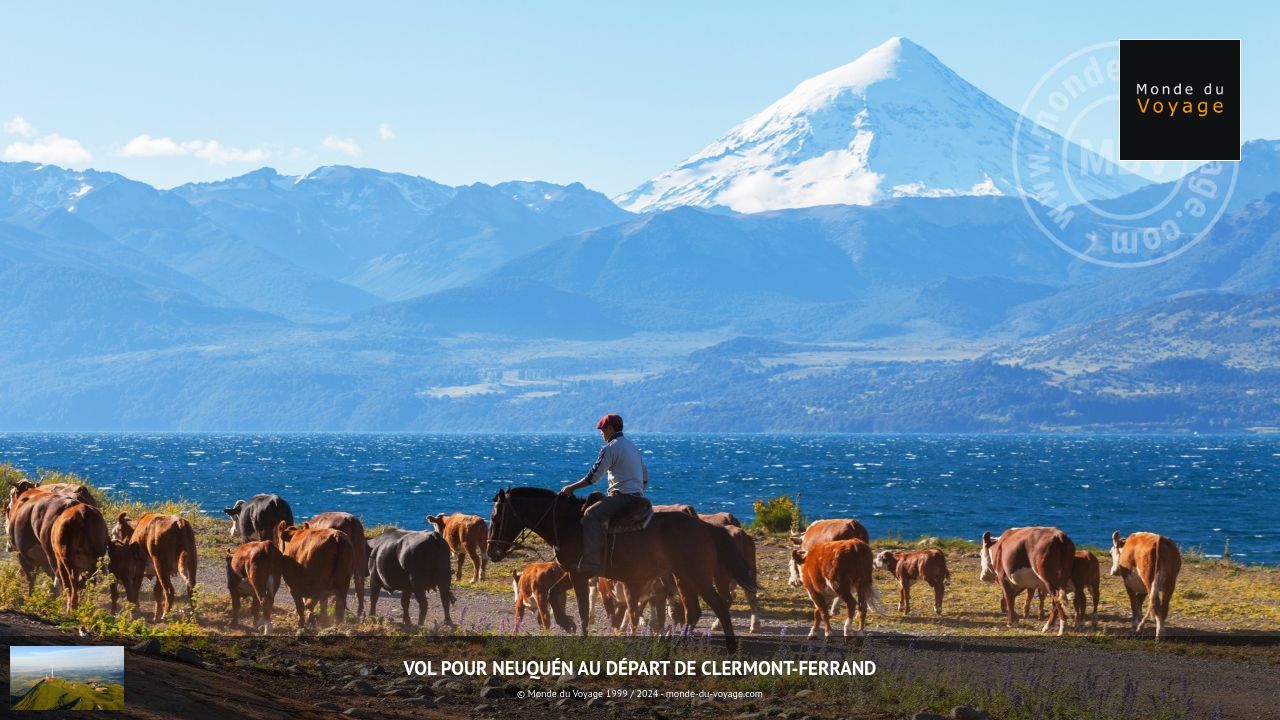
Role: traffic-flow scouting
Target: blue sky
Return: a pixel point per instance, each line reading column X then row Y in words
column 40, row 657
column 608, row 94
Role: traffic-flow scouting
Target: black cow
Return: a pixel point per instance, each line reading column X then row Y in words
column 411, row 563
column 257, row 518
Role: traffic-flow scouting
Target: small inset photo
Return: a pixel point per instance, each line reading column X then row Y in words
column 58, row 677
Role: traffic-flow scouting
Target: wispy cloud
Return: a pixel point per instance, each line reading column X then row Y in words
column 211, row 151
column 346, row 146
column 385, row 132
column 52, row 148
column 19, row 126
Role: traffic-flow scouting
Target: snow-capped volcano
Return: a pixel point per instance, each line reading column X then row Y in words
column 895, row 122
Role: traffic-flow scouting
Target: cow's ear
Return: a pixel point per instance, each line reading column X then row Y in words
column 986, row 539
column 232, row 511
column 306, row 525
column 124, row 517
column 797, row 539
column 1115, row 539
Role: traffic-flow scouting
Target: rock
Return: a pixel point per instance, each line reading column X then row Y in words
column 562, row 702
column 441, row 684
column 566, row 678
column 189, row 656
column 749, row 716
column 928, row 542
column 803, row 693
column 359, row 686
column 493, row 692
column 360, row 713
column 595, row 702
column 423, row 702
column 372, row 670
column 483, row 708
column 243, row 663
column 964, row 712
column 328, row 707
column 492, row 681
column 397, row 692
column 150, row 646
column 927, row 716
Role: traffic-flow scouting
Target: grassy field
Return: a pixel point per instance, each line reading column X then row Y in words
column 1217, row 613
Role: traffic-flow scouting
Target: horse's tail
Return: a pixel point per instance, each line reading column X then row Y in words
column 730, row 557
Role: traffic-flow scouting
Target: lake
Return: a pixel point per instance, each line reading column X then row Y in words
column 1198, row 490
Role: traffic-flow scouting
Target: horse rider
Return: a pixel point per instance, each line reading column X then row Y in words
column 628, row 479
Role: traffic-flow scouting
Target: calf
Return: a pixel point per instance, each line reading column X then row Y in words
column 837, row 570
column 351, row 525
column 127, row 564
column 911, row 567
column 466, row 535
column 1149, row 564
column 542, row 587
column 624, row 603
column 820, row 531
column 1030, row 557
column 257, row 518
column 316, row 565
column 410, row 563
column 77, row 540
column 169, row 544
column 254, row 571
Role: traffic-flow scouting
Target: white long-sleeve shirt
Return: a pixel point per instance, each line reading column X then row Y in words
column 622, row 461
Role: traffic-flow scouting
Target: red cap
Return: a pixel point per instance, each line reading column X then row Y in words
column 612, row 420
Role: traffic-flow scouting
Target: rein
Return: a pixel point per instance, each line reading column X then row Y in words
column 517, row 541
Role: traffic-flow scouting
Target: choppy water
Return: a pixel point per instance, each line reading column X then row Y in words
column 1197, row 490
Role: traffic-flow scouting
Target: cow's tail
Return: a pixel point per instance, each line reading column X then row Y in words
column 1157, row 589
column 946, row 576
column 873, row 599
column 187, row 555
column 730, row 558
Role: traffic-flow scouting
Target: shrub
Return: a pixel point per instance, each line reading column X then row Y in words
column 779, row 515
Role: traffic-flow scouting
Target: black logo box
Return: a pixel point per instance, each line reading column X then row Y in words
column 1185, row 67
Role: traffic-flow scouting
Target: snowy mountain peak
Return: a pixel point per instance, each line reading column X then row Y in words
column 895, row 122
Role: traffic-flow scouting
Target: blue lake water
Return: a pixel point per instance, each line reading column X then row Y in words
column 1198, row 490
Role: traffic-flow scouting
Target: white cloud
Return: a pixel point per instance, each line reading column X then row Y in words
column 346, row 146
column 52, row 148
column 19, row 126
column 211, row 151
column 385, row 132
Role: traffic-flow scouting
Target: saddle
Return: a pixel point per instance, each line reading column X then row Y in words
column 630, row 520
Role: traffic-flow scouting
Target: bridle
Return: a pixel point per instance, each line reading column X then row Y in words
column 496, row 529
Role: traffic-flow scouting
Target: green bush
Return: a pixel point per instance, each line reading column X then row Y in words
column 779, row 515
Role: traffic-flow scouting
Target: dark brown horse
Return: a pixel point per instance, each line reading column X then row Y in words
column 673, row 542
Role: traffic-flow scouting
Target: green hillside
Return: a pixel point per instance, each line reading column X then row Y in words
column 59, row 694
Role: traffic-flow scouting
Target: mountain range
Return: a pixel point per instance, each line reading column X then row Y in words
column 885, row 278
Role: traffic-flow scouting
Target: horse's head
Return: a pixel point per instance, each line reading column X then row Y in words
column 504, row 526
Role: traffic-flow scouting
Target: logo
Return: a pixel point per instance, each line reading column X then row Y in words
column 1126, row 213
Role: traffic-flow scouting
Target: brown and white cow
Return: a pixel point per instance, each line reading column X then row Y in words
column 542, row 587
column 1149, row 565
column 1085, row 577
column 351, row 525
column 169, row 544
column 254, row 570
column 466, row 536
column 909, row 567
column 316, row 565
column 1030, row 557
column 77, row 541
column 820, row 531
column 685, row 508
column 838, row 570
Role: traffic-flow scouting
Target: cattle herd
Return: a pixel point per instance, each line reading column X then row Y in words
column 58, row 528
